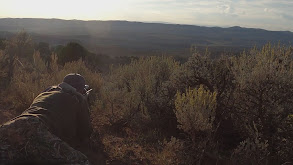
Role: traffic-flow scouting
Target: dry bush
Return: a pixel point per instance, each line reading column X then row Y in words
column 252, row 151
column 18, row 48
column 214, row 75
column 264, row 96
column 170, row 154
column 31, row 78
column 124, row 151
column 129, row 151
column 134, row 93
column 135, row 107
column 195, row 72
column 28, row 80
column 21, row 45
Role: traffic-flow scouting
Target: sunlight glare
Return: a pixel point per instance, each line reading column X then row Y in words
column 66, row 9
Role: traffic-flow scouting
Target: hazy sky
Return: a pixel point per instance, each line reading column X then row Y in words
column 267, row 14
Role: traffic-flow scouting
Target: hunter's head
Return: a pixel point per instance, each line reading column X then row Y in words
column 76, row 81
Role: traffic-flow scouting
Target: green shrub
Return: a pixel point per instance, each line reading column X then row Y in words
column 195, row 110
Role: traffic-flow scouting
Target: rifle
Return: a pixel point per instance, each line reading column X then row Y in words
column 87, row 92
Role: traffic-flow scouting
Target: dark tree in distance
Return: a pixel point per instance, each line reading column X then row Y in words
column 71, row 52
column 44, row 49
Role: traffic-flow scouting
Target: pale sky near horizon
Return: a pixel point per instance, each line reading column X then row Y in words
column 266, row 14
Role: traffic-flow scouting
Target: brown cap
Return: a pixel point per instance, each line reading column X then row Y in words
column 75, row 80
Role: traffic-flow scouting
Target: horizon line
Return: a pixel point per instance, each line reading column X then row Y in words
column 148, row 22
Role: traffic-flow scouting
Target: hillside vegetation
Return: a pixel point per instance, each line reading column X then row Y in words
column 155, row 110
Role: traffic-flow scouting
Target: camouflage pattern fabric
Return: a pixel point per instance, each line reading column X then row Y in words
column 65, row 112
column 26, row 140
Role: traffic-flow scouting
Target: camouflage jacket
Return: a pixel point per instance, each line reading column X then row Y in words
column 65, row 112
column 26, row 140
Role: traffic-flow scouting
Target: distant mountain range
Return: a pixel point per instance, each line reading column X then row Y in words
column 137, row 38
